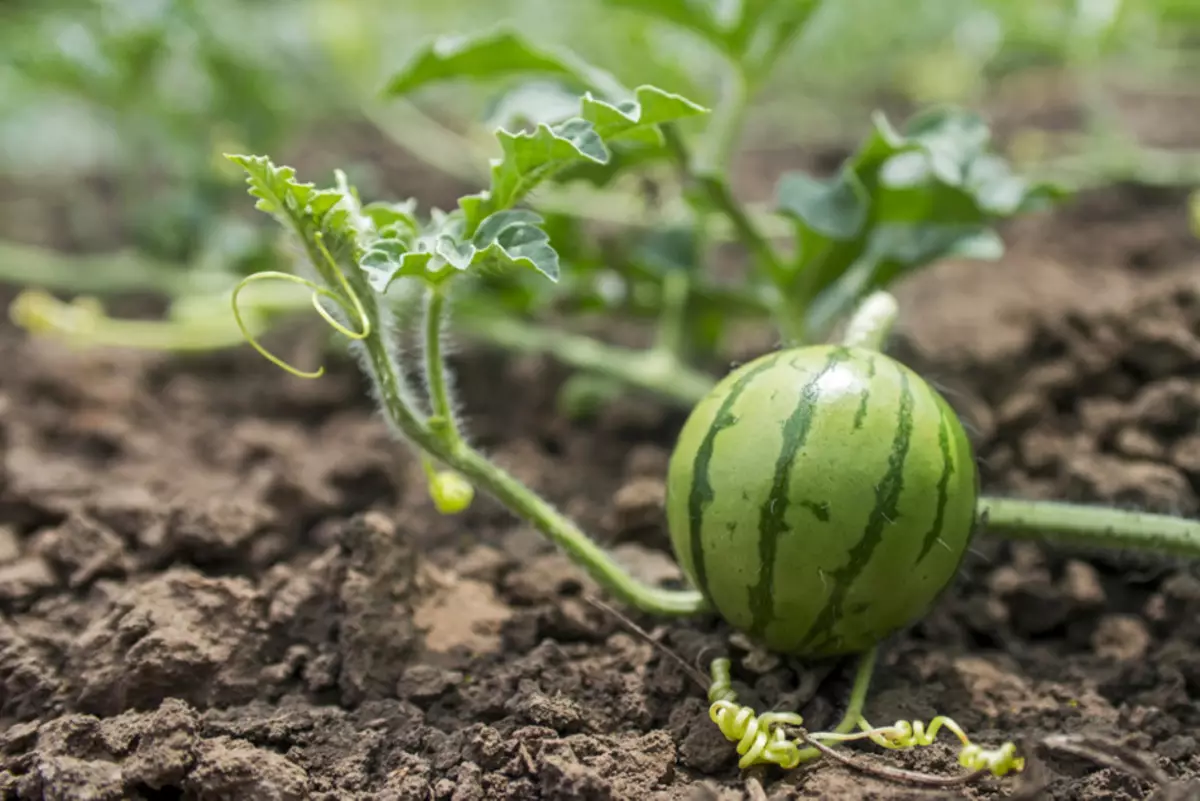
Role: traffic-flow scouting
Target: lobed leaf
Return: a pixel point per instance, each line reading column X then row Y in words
column 299, row 206
column 514, row 239
column 528, row 158
column 498, row 53
column 533, row 102
column 698, row 16
column 750, row 32
column 638, row 120
column 506, row 240
column 610, row 129
column 900, row 202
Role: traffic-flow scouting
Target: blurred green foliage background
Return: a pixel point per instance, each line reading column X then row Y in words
column 113, row 113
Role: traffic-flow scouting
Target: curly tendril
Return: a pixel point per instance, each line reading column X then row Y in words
column 352, row 307
column 908, row 734
column 760, row 738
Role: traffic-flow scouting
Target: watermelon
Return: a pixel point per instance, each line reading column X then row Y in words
column 822, row 498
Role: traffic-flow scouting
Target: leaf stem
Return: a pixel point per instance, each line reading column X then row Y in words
column 442, row 418
column 656, row 371
column 565, row 534
column 872, row 322
column 858, row 699
column 718, row 195
column 672, row 322
column 1089, row 526
column 384, row 370
column 720, row 140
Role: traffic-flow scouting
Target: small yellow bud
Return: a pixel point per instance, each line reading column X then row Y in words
column 451, row 492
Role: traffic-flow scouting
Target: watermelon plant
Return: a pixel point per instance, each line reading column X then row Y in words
column 821, row 496
column 904, row 198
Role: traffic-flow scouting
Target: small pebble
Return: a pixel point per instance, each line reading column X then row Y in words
column 1123, row 638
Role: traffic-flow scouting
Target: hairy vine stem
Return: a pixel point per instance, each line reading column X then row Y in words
column 1089, row 526
column 872, row 323
column 444, row 443
column 442, row 419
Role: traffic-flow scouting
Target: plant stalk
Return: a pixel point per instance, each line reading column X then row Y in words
column 656, row 371
column 435, row 368
column 672, row 323
column 716, row 191
column 1089, row 526
column 454, row 452
column 858, row 699
column 872, row 322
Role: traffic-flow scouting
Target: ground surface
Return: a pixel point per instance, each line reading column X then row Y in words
column 217, row 582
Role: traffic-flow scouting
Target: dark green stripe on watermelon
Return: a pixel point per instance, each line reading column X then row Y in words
column 860, row 414
column 943, row 488
column 772, row 514
column 701, row 493
column 887, row 497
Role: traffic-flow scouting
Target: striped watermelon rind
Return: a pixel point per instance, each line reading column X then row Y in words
column 822, row 498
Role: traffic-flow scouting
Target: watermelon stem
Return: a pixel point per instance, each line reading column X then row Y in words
column 656, row 370
column 854, row 707
column 1089, row 526
column 872, row 322
column 439, row 436
column 442, row 412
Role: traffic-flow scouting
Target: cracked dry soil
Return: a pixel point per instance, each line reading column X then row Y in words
column 217, row 582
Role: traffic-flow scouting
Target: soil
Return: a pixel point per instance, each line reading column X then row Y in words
column 219, row 582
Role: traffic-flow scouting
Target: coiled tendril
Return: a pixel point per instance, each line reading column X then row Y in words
column 909, row 734
column 760, row 738
column 906, row 734
column 353, row 308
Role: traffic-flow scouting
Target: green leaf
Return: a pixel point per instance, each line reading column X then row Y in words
column 495, row 54
column 902, row 201
column 638, row 120
column 507, row 240
column 300, row 206
column 394, row 220
column 513, row 239
column 273, row 186
column 698, row 16
column 751, row 32
column 531, row 103
column 528, row 158
column 532, row 157
column 834, row 209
